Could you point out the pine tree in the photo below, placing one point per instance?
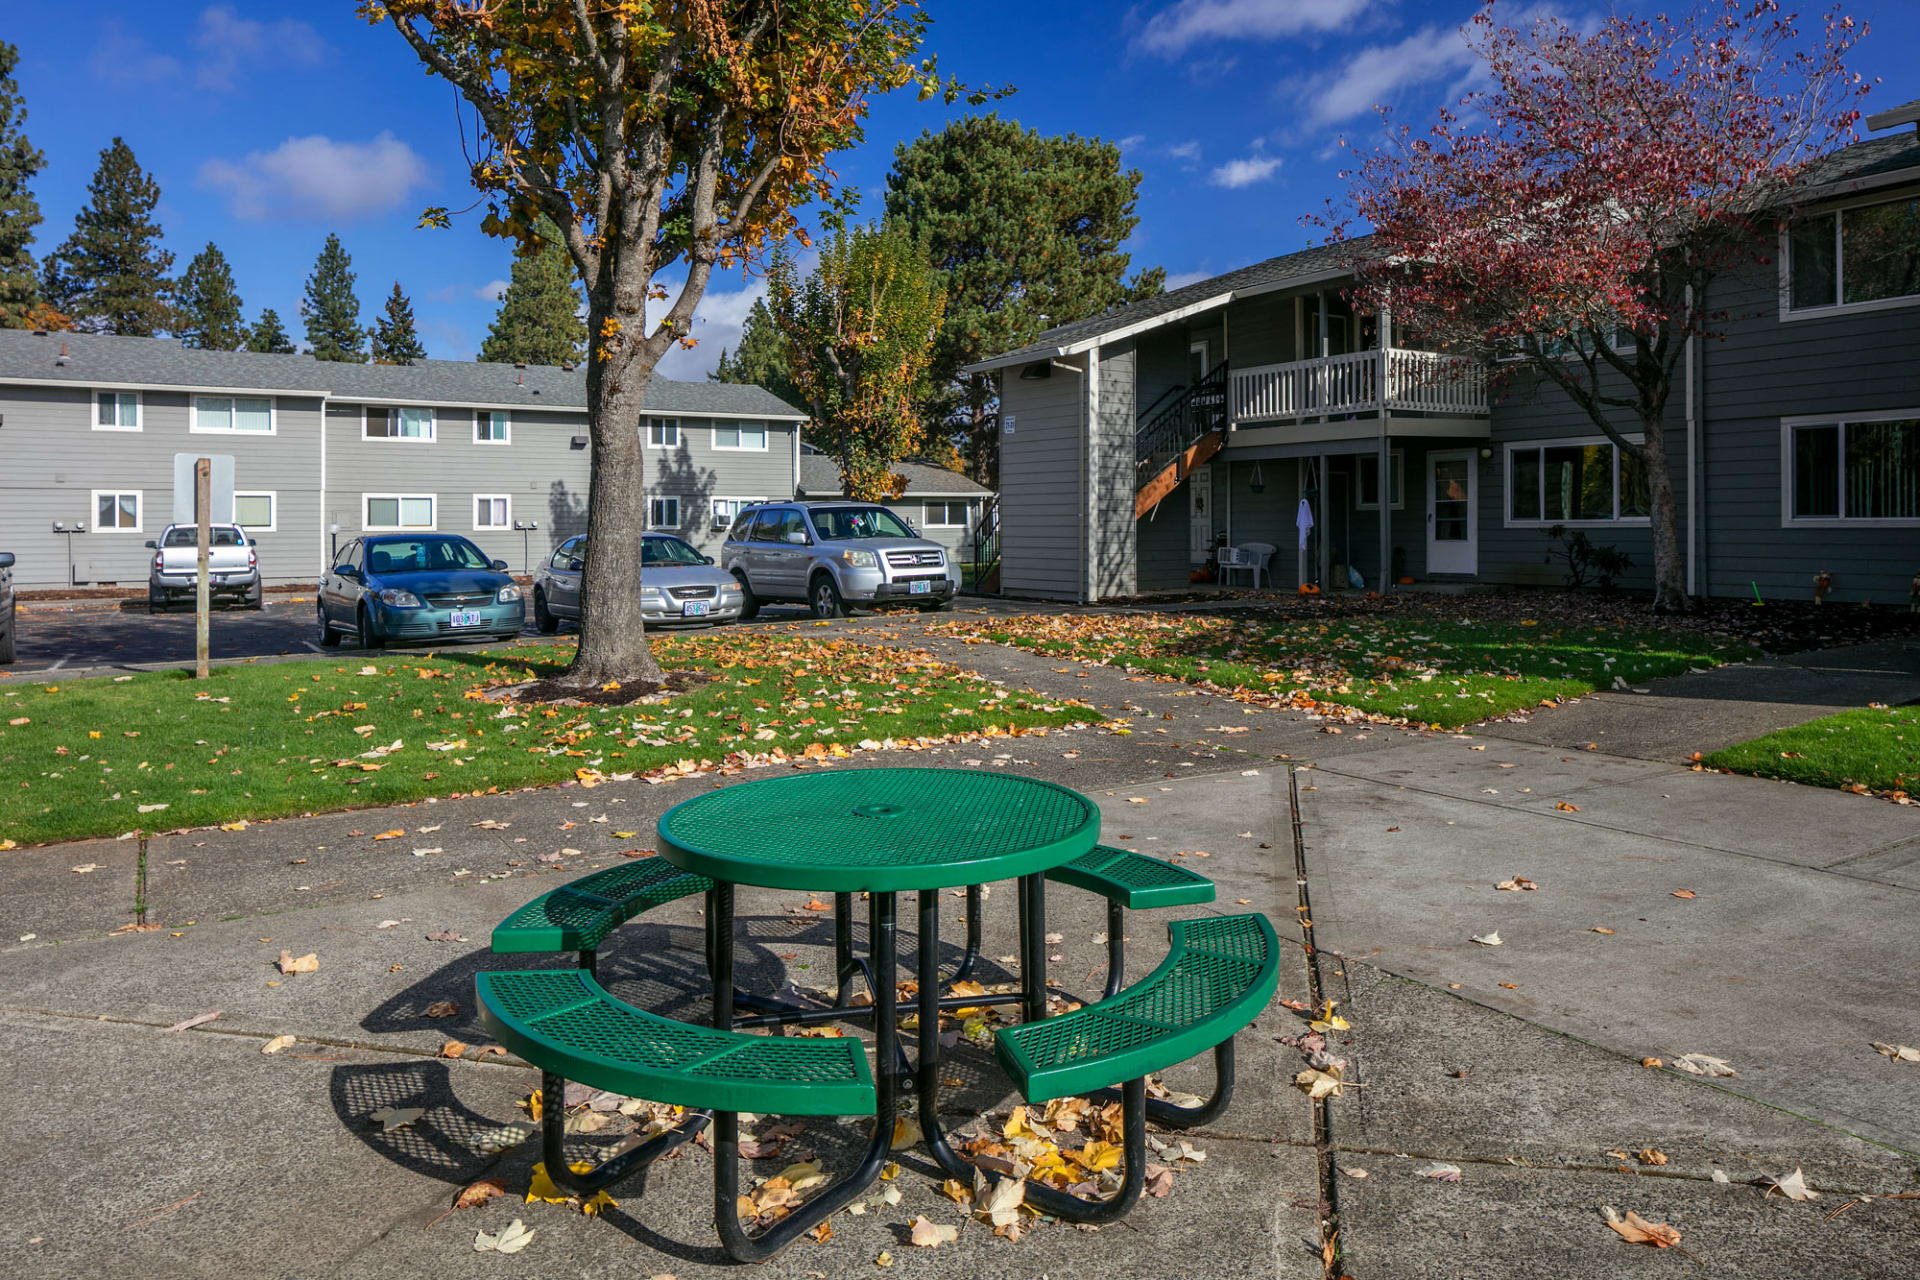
(539, 318)
(269, 336)
(111, 275)
(207, 305)
(395, 340)
(331, 309)
(761, 358)
(19, 211)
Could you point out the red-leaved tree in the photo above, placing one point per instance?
(1569, 218)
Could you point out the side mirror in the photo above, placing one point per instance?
(913, 528)
(152, 545)
(576, 564)
(499, 566)
(345, 571)
(6, 559)
(797, 537)
(706, 559)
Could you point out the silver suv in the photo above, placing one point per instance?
(7, 623)
(834, 555)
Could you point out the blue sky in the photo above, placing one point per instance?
(270, 124)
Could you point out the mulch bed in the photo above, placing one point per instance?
(554, 692)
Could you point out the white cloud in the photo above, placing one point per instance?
(1379, 73)
(491, 291)
(227, 44)
(318, 176)
(122, 58)
(1189, 22)
(716, 323)
(1187, 151)
(1245, 171)
(1181, 279)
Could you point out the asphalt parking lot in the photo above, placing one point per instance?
(95, 636)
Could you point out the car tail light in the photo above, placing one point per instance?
(159, 562)
(253, 558)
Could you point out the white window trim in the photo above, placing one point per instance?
(1843, 521)
(1399, 456)
(766, 437)
(433, 426)
(1571, 442)
(504, 526)
(139, 410)
(679, 513)
(713, 508)
(481, 417)
(139, 510)
(273, 507)
(966, 511)
(367, 526)
(647, 426)
(1789, 313)
(193, 417)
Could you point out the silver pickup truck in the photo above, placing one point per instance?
(834, 555)
(6, 607)
(233, 565)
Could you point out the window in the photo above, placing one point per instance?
(117, 411)
(726, 510)
(255, 510)
(115, 511)
(1865, 255)
(740, 435)
(945, 515)
(1866, 470)
(398, 511)
(490, 426)
(663, 433)
(567, 552)
(1580, 482)
(399, 424)
(663, 513)
(492, 511)
(779, 524)
(232, 415)
(1366, 481)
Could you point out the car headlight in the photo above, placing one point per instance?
(860, 559)
(400, 599)
(508, 594)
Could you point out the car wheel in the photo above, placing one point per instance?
(156, 601)
(6, 641)
(257, 597)
(543, 620)
(938, 606)
(749, 603)
(329, 638)
(824, 600)
(369, 639)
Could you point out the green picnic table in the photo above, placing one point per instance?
(881, 832)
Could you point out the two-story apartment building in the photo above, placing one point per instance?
(91, 426)
(1256, 407)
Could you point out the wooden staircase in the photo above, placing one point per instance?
(1185, 434)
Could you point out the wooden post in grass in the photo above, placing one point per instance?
(203, 596)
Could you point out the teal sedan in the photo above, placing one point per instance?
(419, 586)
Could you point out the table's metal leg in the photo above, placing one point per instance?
(1033, 945)
(1116, 947)
(553, 1138)
(844, 966)
(590, 961)
(726, 1141)
(720, 952)
(965, 968)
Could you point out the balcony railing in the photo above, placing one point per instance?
(1396, 380)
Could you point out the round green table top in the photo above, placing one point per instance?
(879, 830)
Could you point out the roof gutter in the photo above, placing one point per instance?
(1038, 354)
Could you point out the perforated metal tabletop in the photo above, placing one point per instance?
(879, 830)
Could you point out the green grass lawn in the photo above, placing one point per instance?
(156, 752)
(1416, 665)
(1872, 749)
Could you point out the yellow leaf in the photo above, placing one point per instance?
(394, 834)
(276, 1044)
(1096, 1157)
(542, 1187)
(931, 1235)
(308, 963)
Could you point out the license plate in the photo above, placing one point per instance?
(464, 618)
(695, 608)
(920, 588)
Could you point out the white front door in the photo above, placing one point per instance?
(1453, 534)
(1200, 508)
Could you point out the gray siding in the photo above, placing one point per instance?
(52, 459)
(1042, 490)
(957, 541)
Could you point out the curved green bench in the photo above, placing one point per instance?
(1130, 881)
(564, 1022)
(1216, 979)
(580, 914)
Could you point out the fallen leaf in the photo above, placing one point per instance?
(513, 1239)
(1564, 807)
(198, 1019)
(441, 1009)
(1685, 893)
(394, 834)
(1793, 1186)
(1700, 1064)
(276, 1044)
(1600, 928)
(1898, 1052)
(1488, 939)
(85, 868)
(931, 1235)
(452, 1049)
(308, 963)
(479, 1193)
(446, 935)
(391, 1118)
(1653, 1156)
(1635, 1229)
(1439, 1171)
(1652, 1062)
(1321, 1084)
(1518, 883)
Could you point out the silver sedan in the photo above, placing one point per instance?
(677, 585)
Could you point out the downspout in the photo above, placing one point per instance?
(325, 541)
(1090, 476)
(1696, 543)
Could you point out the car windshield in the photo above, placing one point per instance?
(666, 551)
(843, 524)
(189, 536)
(424, 555)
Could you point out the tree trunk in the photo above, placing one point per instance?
(1669, 568)
(613, 636)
